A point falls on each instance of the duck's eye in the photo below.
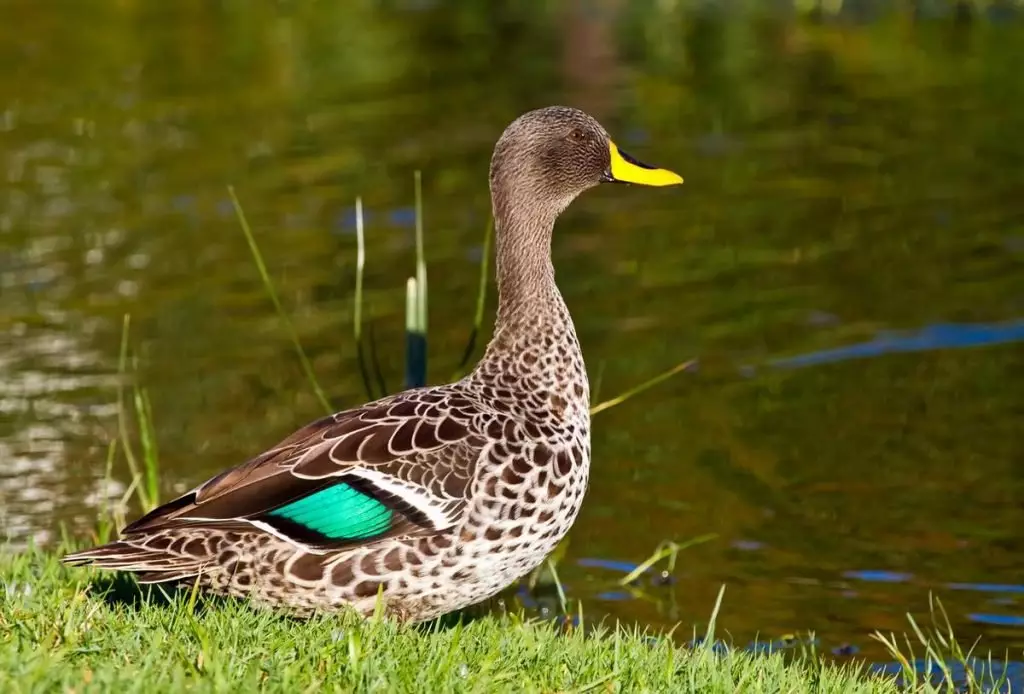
(577, 135)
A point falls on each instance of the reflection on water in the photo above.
(930, 337)
(852, 208)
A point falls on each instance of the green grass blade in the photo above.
(147, 438)
(421, 262)
(410, 305)
(709, 636)
(666, 550)
(636, 390)
(357, 309)
(268, 285)
(481, 297)
(415, 339)
(416, 304)
(123, 432)
(108, 514)
(357, 313)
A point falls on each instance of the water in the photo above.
(846, 262)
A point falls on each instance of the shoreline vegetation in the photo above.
(82, 630)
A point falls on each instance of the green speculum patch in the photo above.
(339, 512)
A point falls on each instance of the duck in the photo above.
(430, 500)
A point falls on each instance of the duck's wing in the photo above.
(401, 465)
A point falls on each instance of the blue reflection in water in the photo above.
(747, 545)
(403, 217)
(615, 565)
(938, 336)
(988, 587)
(878, 576)
(1002, 620)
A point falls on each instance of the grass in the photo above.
(79, 630)
(64, 630)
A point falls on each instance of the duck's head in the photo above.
(545, 158)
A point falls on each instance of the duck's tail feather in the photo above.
(150, 565)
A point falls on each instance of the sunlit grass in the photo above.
(940, 650)
(77, 630)
(81, 630)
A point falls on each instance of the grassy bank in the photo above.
(80, 631)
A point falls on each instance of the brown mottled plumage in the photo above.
(435, 497)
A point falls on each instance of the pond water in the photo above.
(845, 262)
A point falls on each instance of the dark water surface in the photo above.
(846, 261)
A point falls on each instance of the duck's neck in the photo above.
(531, 310)
(525, 273)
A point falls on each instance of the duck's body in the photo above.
(481, 479)
(434, 498)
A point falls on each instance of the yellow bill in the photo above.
(626, 169)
